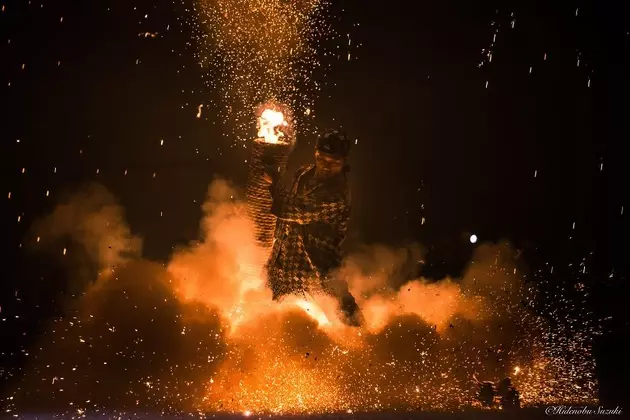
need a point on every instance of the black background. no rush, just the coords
(433, 141)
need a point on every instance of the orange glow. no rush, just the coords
(420, 344)
(270, 125)
(313, 311)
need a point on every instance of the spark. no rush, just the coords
(293, 357)
(261, 50)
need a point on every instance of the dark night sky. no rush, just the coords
(434, 141)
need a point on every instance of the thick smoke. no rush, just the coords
(93, 219)
(199, 333)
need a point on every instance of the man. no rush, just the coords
(312, 225)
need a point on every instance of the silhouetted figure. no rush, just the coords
(509, 397)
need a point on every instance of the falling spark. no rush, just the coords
(199, 111)
(316, 362)
(261, 50)
(326, 379)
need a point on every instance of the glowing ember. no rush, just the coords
(225, 346)
(270, 124)
(260, 49)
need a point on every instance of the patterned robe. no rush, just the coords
(312, 224)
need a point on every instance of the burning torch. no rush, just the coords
(270, 150)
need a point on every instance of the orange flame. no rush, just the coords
(417, 347)
(314, 311)
(270, 123)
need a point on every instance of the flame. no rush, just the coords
(269, 124)
(314, 311)
(233, 349)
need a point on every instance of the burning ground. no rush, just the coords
(198, 333)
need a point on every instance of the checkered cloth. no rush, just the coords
(312, 224)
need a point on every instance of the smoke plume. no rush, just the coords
(199, 333)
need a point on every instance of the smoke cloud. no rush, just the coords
(200, 332)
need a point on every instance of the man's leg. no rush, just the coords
(338, 287)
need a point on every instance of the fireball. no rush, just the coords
(270, 125)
